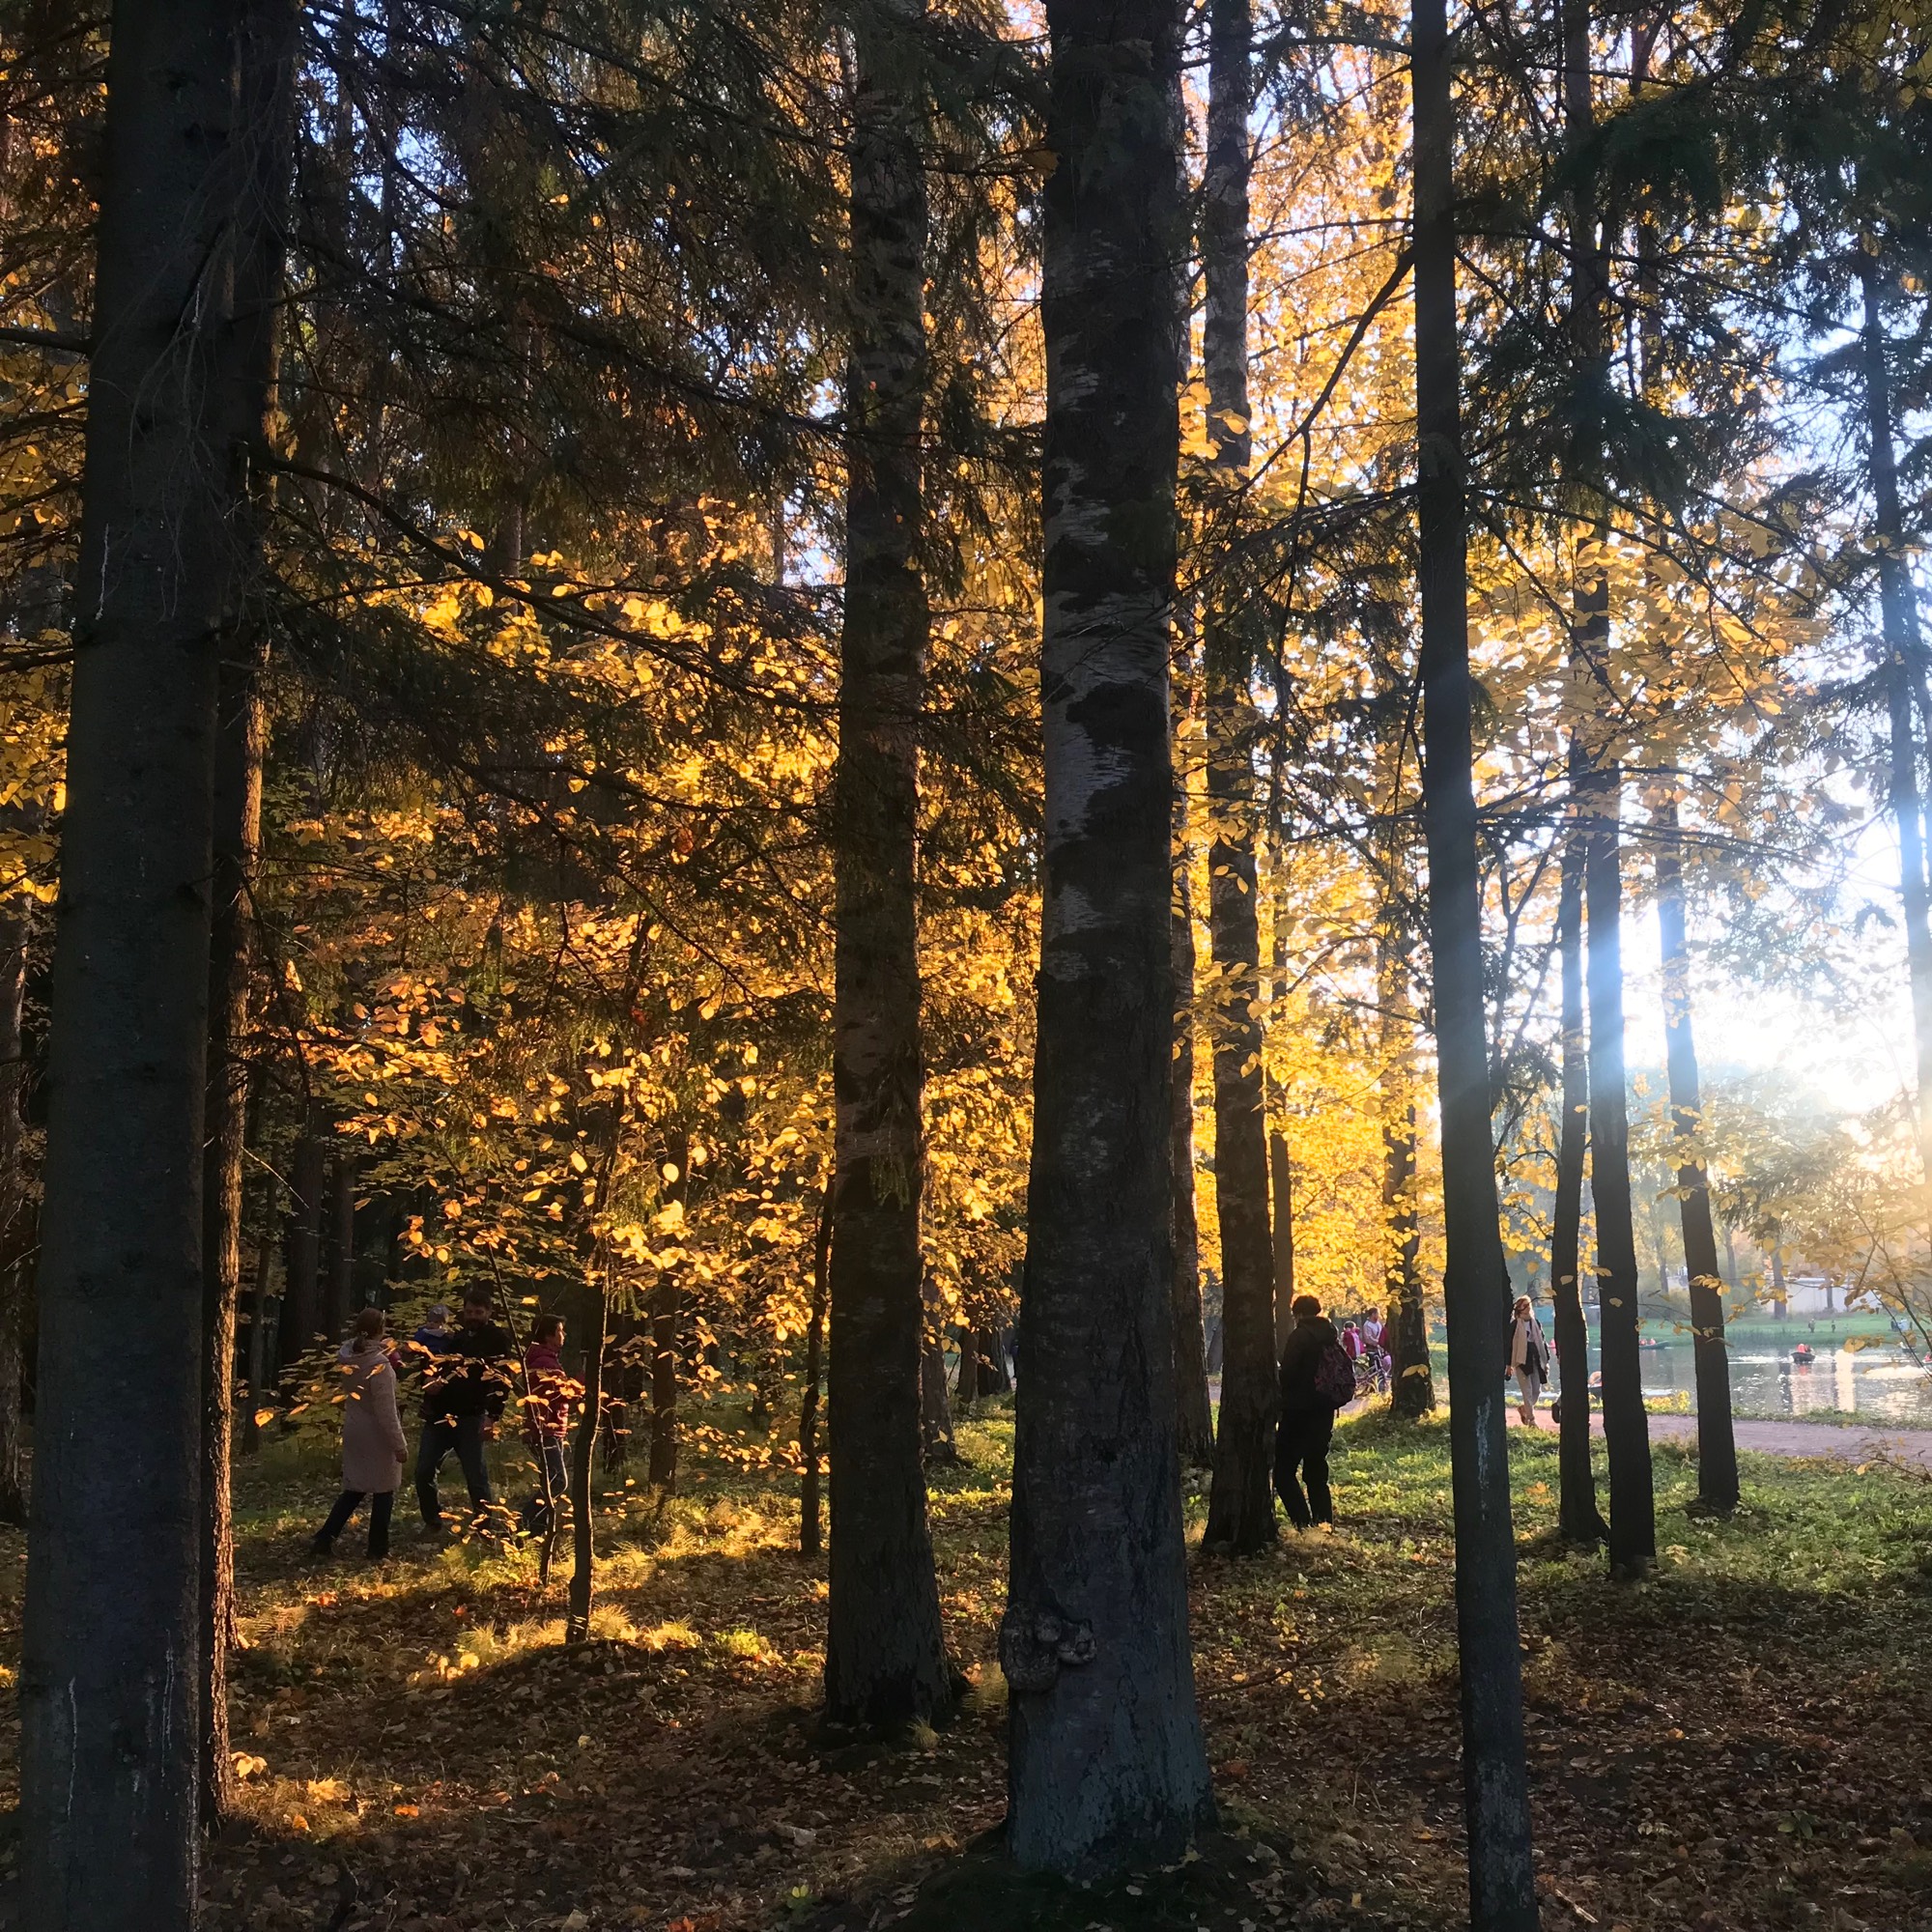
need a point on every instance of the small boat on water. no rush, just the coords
(1804, 1354)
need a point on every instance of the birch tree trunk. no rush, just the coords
(1240, 1505)
(1716, 1441)
(1106, 1761)
(110, 1683)
(1496, 1789)
(885, 1658)
(1576, 1512)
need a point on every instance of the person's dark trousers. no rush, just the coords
(379, 1506)
(465, 1435)
(1301, 1445)
(537, 1511)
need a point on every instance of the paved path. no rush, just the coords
(1843, 1441)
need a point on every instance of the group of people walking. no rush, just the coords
(467, 1373)
(1321, 1373)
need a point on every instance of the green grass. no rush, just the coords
(1734, 1745)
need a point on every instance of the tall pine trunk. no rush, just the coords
(1240, 1505)
(110, 1688)
(237, 825)
(16, 1211)
(1577, 1513)
(1496, 1788)
(1899, 615)
(885, 1654)
(1105, 1761)
(1716, 1441)
(1194, 1410)
(1626, 1427)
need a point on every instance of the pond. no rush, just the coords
(1879, 1381)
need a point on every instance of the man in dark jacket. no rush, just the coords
(1307, 1418)
(464, 1390)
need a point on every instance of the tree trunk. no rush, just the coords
(1780, 1301)
(583, 1461)
(1194, 1412)
(663, 1472)
(1495, 1793)
(1240, 1505)
(885, 1656)
(1105, 1762)
(341, 1246)
(808, 1542)
(935, 1399)
(1626, 1427)
(237, 827)
(1412, 1378)
(1717, 1444)
(110, 1687)
(1576, 1512)
(1281, 1204)
(258, 1334)
(1899, 615)
(301, 1278)
(16, 1213)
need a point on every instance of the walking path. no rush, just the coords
(1843, 1441)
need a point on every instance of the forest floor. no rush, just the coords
(1740, 1743)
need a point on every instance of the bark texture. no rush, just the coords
(110, 1688)
(885, 1663)
(1495, 1793)
(1578, 1515)
(1240, 1504)
(1106, 1762)
(1716, 1441)
(1626, 1427)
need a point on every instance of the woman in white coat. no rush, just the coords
(1528, 1359)
(373, 1446)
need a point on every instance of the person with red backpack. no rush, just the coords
(1317, 1378)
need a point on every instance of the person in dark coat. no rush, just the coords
(464, 1390)
(1307, 1418)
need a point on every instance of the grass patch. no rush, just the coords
(1734, 1745)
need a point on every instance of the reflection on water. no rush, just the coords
(1880, 1381)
